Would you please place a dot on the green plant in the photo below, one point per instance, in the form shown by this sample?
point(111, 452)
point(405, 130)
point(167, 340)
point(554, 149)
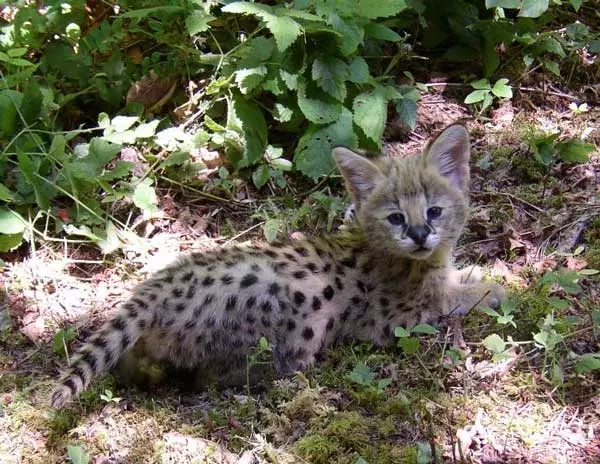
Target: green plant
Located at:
point(261, 354)
point(108, 397)
point(61, 339)
point(486, 93)
point(363, 376)
point(408, 343)
point(77, 454)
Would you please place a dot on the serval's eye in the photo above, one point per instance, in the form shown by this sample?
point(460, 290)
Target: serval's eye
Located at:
point(434, 213)
point(396, 219)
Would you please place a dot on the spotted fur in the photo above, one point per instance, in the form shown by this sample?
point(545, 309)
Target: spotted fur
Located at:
point(391, 267)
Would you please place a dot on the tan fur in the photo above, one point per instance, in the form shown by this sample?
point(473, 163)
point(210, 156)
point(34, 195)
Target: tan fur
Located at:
point(209, 309)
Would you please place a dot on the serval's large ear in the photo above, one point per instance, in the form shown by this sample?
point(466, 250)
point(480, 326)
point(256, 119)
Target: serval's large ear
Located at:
point(361, 174)
point(449, 153)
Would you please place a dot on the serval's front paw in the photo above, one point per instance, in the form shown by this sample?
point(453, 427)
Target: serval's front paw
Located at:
point(493, 295)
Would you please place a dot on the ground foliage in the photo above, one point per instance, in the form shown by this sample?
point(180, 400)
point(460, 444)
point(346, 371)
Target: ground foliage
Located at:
point(146, 129)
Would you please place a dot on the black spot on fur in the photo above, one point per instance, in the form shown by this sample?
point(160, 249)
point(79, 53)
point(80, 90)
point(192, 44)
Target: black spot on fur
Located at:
point(177, 292)
point(152, 296)
point(100, 342)
point(271, 254)
point(235, 326)
point(299, 298)
point(349, 262)
point(250, 319)
point(208, 299)
point(291, 257)
point(339, 284)
point(301, 251)
point(316, 303)
point(385, 312)
point(132, 312)
point(330, 323)
point(251, 331)
point(255, 268)
point(274, 288)
point(299, 274)
point(248, 280)
point(187, 276)
point(170, 322)
point(291, 325)
point(179, 307)
point(70, 384)
point(210, 321)
point(319, 252)
point(312, 267)
point(387, 331)
point(141, 303)
point(91, 360)
point(125, 341)
point(356, 300)
point(361, 286)
point(231, 303)
point(384, 302)
point(308, 333)
point(141, 324)
point(327, 267)
point(328, 292)
point(368, 267)
point(250, 302)
point(266, 307)
point(118, 323)
point(227, 279)
point(208, 281)
point(345, 315)
point(191, 292)
point(280, 266)
point(237, 343)
point(265, 321)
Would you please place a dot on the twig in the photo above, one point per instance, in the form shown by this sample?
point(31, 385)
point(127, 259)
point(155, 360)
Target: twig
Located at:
point(244, 232)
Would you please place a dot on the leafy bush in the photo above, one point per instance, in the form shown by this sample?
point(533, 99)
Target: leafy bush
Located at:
point(277, 85)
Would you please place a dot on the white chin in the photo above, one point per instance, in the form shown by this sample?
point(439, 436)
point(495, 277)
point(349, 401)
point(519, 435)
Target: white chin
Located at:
point(421, 254)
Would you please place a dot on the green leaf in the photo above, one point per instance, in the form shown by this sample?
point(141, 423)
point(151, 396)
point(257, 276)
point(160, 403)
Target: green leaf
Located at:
point(576, 4)
point(588, 362)
point(575, 151)
point(476, 96)
point(502, 90)
point(410, 345)
point(248, 79)
point(122, 123)
point(197, 22)
point(284, 29)
point(282, 113)
point(100, 153)
point(381, 32)
point(247, 119)
point(359, 70)
point(380, 9)
point(568, 281)
point(146, 130)
point(76, 453)
point(156, 11)
point(370, 113)
point(121, 169)
point(6, 194)
point(502, 4)
point(552, 67)
point(481, 84)
point(407, 110)
point(144, 197)
point(352, 34)
point(494, 343)
point(31, 106)
point(533, 8)
point(330, 74)
point(401, 332)
point(424, 328)
point(489, 312)
point(313, 153)
point(558, 303)
point(9, 101)
point(260, 176)
point(43, 192)
point(361, 374)
point(316, 110)
point(596, 317)
point(10, 242)
point(16, 52)
point(11, 222)
point(271, 229)
point(61, 339)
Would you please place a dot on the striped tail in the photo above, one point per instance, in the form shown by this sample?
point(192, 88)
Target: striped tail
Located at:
point(102, 350)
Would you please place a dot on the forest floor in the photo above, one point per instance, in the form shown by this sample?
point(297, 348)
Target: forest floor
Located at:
point(534, 401)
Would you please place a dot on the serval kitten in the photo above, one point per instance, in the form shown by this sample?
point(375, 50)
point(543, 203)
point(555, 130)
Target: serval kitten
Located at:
point(392, 268)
